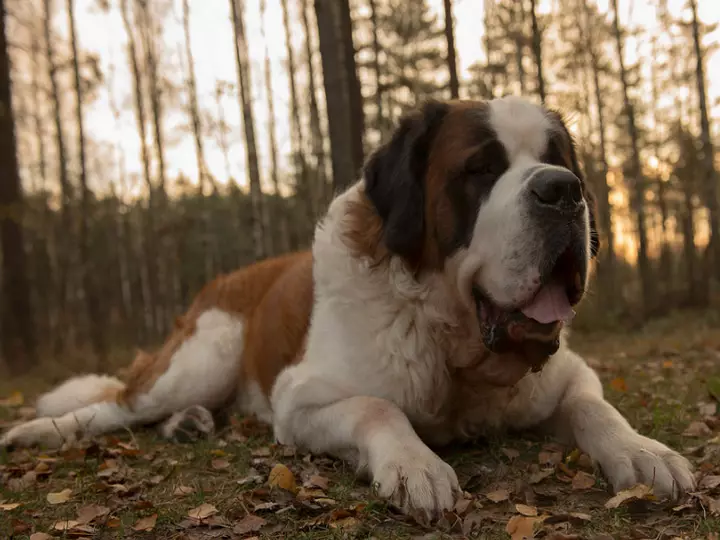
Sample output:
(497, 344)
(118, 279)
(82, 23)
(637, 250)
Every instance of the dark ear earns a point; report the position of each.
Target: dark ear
(395, 179)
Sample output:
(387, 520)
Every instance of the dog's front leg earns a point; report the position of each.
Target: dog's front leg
(625, 456)
(317, 415)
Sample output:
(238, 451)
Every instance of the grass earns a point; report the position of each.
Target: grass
(657, 376)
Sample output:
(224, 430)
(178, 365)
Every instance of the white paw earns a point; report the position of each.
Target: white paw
(41, 431)
(417, 481)
(643, 460)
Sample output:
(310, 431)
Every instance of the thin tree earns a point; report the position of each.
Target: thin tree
(18, 339)
(318, 140)
(336, 95)
(451, 60)
(87, 273)
(298, 137)
(537, 50)
(357, 114)
(710, 181)
(244, 83)
(635, 170)
(64, 249)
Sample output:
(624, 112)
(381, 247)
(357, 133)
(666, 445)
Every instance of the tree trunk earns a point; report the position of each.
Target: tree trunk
(92, 302)
(64, 249)
(450, 39)
(537, 51)
(336, 96)
(301, 169)
(637, 181)
(318, 140)
(148, 273)
(281, 217)
(18, 340)
(710, 182)
(357, 114)
(243, 73)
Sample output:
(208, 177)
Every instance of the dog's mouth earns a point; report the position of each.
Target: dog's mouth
(531, 330)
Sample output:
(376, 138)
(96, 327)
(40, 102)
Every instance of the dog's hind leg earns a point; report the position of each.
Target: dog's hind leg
(202, 370)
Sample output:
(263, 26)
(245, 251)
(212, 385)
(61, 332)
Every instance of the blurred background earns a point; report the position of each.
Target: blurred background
(153, 144)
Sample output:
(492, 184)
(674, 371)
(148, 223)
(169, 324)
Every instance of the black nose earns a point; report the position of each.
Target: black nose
(556, 187)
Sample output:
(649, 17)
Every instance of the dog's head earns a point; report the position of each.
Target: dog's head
(491, 194)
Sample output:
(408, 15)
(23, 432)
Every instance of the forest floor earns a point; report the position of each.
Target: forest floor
(240, 485)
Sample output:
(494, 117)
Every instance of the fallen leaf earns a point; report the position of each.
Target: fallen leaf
(539, 476)
(146, 524)
(220, 464)
(282, 477)
(59, 497)
(65, 525)
(155, 480)
(317, 481)
(498, 495)
(181, 491)
(583, 480)
(522, 527)
(263, 451)
(462, 506)
(710, 482)
(526, 510)
(546, 457)
(203, 511)
(619, 384)
(248, 524)
(638, 491)
(40, 536)
(218, 453)
(697, 429)
(87, 514)
(471, 522)
(713, 386)
(667, 364)
(305, 494)
(13, 400)
(9, 506)
(510, 453)
(345, 523)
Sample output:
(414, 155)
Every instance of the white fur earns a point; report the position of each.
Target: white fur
(74, 393)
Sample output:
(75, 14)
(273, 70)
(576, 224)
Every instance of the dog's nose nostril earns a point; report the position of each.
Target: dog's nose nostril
(556, 187)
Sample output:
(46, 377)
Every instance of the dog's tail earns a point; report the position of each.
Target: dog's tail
(78, 392)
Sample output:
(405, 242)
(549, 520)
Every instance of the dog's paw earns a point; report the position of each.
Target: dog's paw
(647, 461)
(418, 482)
(189, 425)
(38, 432)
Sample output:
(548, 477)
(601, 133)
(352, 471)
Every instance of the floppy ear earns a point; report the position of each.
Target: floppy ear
(395, 180)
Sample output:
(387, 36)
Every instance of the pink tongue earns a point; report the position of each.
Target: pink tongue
(550, 305)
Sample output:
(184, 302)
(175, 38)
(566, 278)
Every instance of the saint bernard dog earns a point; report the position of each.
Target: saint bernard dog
(430, 309)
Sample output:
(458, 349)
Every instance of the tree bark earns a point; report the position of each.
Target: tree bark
(243, 73)
(637, 181)
(537, 50)
(357, 114)
(92, 302)
(18, 339)
(710, 182)
(336, 96)
(451, 59)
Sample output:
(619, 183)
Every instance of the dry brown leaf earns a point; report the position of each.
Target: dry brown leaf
(583, 480)
(66, 525)
(59, 497)
(549, 457)
(181, 491)
(638, 491)
(510, 453)
(146, 524)
(619, 384)
(87, 514)
(462, 506)
(220, 464)
(710, 482)
(472, 521)
(498, 495)
(9, 506)
(305, 494)
(526, 510)
(218, 453)
(203, 511)
(345, 523)
(40, 536)
(697, 429)
(317, 481)
(282, 477)
(13, 400)
(248, 524)
(522, 527)
(263, 451)
(540, 475)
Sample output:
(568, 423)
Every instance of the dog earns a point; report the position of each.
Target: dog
(431, 308)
